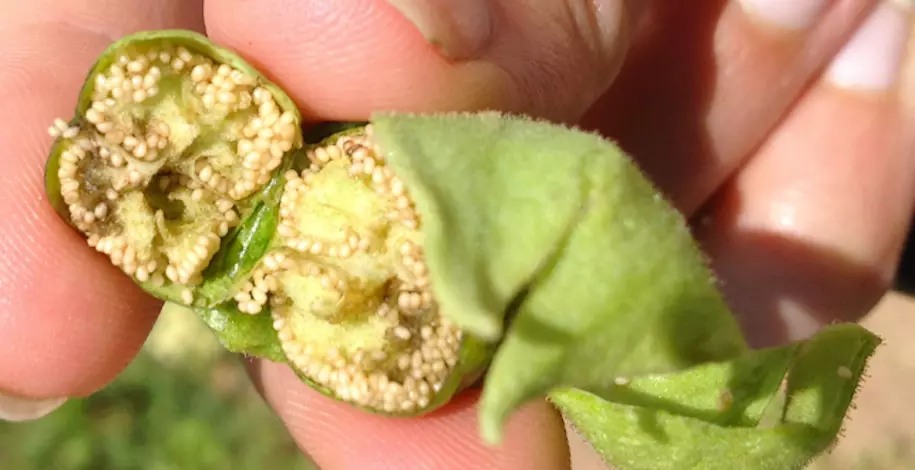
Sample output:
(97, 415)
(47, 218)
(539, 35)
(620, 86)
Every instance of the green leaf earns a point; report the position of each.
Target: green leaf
(770, 409)
(557, 231)
(243, 248)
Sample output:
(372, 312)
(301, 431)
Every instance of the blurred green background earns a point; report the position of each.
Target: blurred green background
(184, 404)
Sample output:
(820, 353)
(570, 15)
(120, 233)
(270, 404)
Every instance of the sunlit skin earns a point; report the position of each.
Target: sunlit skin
(749, 168)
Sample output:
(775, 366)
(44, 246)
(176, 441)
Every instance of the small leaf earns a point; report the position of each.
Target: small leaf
(717, 416)
(243, 248)
(558, 231)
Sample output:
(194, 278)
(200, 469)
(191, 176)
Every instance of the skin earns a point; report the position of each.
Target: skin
(771, 182)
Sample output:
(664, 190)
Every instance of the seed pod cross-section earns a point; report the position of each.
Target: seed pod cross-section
(348, 288)
(173, 163)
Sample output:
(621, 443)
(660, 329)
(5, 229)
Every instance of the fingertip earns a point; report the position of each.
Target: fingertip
(342, 60)
(811, 229)
(72, 322)
(339, 436)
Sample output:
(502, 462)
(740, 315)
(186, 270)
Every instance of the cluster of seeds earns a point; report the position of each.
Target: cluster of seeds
(366, 160)
(402, 380)
(420, 345)
(260, 142)
(254, 294)
(136, 181)
(296, 186)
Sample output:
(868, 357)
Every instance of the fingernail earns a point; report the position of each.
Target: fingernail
(15, 408)
(460, 29)
(789, 14)
(872, 58)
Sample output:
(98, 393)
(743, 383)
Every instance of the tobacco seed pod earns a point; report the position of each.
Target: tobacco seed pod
(173, 163)
(348, 289)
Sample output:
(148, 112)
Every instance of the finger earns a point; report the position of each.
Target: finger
(339, 436)
(582, 454)
(705, 82)
(811, 230)
(342, 60)
(69, 322)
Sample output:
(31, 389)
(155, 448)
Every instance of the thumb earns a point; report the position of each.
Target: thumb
(342, 60)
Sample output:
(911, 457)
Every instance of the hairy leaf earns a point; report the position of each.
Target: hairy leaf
(773, 409)
(558, 231)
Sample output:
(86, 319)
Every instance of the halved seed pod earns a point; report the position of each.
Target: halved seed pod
(173, 163)
(348, 288)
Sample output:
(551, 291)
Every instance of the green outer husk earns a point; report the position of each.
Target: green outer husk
(245, 244)
(239, 332)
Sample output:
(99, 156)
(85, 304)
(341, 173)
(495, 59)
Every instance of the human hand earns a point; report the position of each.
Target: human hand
(706, 91)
